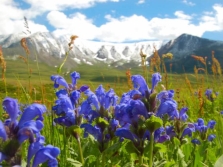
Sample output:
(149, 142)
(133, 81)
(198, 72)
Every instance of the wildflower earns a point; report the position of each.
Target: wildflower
(92, 98)
(182, 115)
(63, 105)
(114, 124)
(75, 96)
(140, 84)
(196, 141)
(211, 124)
(100, 93)
(3, 134)
(31, 112)
(211, 137)
(74, 76)
(93, 130)
(129, 112)
(47, 153)
(167, 107)
(127, 134)
(58, 80)
(170, 131)
(28, 130)
(34, 147)
(2, 157)
(156, 77)
(188, 132)
(11, 106)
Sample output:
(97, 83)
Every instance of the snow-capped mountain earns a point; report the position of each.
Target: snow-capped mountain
(46, 45)
(51, 50)
(186, 45)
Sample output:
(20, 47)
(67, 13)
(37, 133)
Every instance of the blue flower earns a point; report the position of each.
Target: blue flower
(92, 98)
(93, 130)
(75, 96)
(130, 112)
(49, 154)
(61, 92)
(140, 84)
(127, 134)
(163, 138)
(156, 77)
(58, 80)
(170, 131)
(3, 134)
(100, 93)
(2, 157)
(208, 93)
(196, 141)
(11, 106)
(188, 131)
(84, 88)
(28, 130)
(109, 99)
(221, 112)
(114, 124)
(63, 105)
(211, 137)
(165, 95)
(31, 112)
(182, 115)
(74, 76)
(34, 147)
(167, 107)
(211, 124)
(134, 94)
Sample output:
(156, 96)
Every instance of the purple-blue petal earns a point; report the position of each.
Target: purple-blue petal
(31, 112)
(3, 134)
(11, 106)
(48, 153)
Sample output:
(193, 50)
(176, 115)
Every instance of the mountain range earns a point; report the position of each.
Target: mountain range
(51, 50)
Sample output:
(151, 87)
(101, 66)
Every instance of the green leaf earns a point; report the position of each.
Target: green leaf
(159, 147)
(112, 149)
(74, 130)
(90, 159)
(219, 162)
(74, 162)
(176, 142)
(100, 122)
(153, 123)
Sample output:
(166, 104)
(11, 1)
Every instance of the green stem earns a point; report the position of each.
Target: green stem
(6, 92)
(103, 159)
(151, 149)
(140, 160)
(65, 59)
(41, 84)
(80, 150)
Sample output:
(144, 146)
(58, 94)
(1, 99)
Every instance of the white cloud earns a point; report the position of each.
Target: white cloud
(12, 21)
(76, 24)
(41, 6)
(115, 29)
(188, 3)
(181, 15)
(141, 1)
(136, 27)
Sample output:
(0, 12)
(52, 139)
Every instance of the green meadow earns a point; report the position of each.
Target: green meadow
(30, 82)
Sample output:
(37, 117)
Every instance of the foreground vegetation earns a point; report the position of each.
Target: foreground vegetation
(101, 116)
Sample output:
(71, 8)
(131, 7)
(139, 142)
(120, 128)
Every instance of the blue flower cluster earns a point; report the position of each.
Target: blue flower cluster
(128, 117)
(22, 126)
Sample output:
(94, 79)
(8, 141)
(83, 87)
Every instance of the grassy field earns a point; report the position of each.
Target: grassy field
(189, 92)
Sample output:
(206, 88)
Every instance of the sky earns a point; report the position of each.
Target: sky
(115, 20)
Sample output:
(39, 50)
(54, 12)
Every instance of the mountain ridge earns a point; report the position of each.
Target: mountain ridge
(51, 49)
